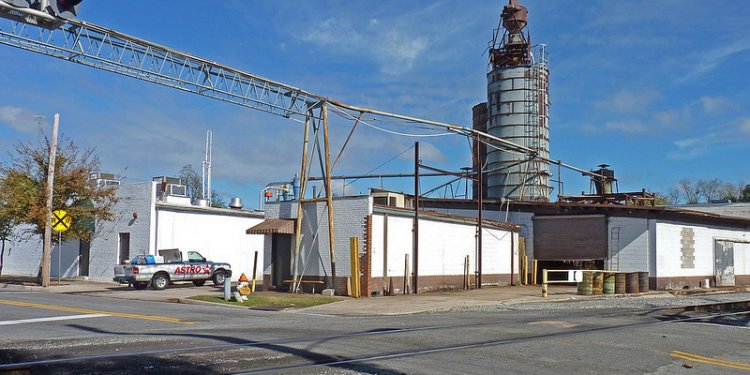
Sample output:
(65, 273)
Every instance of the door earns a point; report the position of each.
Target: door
(84, 254)
(724, 263)
(124, 244)
(281, 253)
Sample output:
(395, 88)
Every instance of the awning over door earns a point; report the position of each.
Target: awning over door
(582, 237)
(273, 226)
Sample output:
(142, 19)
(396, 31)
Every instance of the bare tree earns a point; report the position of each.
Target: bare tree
(688, 191)
(710, 190)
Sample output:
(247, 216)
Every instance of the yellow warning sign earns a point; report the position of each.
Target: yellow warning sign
(61, 221)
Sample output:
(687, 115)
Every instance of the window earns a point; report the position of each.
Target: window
(194, 256)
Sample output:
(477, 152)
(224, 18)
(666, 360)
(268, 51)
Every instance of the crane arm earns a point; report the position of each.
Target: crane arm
(102, 48)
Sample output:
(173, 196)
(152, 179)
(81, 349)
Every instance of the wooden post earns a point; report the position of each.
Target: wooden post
(255, 270)
(544, 283)
(406, 274)
(47, 246)
(415, 271)
(329, 196)
(534, 265)
(302, 187)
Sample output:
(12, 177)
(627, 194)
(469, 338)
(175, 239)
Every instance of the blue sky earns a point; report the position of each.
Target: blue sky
(657, 89)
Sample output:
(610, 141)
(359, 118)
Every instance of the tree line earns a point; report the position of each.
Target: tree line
(689, 191)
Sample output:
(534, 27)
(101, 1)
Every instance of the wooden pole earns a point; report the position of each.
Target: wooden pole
(534, 265)
(544, 283)
(329, 196)
(255, 270)
(415, 270)
(47, 246)
(406, 274)
(298, 223)
(385, 248)
(512, 259)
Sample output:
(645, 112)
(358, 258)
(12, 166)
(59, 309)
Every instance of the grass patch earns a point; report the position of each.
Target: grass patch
(277, 300)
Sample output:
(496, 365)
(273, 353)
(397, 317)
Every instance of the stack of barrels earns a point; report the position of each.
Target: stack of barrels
(595, 282)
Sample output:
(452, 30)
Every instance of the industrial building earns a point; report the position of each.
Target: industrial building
(678, 247)
(445, 257)
(147, 217)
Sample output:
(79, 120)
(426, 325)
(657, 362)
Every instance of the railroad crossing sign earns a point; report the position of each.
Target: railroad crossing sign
(61, 221)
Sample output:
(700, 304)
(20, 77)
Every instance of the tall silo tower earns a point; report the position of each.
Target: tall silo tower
(518, 110)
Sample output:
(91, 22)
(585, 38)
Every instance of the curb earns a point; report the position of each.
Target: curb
(27, 288)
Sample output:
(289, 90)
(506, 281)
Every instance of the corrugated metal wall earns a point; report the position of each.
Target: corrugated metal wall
(582, 237)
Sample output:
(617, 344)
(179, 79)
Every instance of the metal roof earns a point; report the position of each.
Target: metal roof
(273, 226)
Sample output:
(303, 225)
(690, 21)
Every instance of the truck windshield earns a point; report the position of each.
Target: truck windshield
(194, 256)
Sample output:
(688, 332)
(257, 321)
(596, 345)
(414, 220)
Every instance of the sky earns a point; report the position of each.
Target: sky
(657, 89)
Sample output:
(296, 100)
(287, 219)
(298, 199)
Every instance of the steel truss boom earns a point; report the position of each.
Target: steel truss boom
(106, 49)
(109, 50)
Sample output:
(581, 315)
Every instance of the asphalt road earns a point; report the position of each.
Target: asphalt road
(79, 334)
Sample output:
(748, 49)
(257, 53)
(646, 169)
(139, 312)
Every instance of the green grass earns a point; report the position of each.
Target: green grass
(276, 300)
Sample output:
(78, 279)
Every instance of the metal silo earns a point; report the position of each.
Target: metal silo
(518, 111)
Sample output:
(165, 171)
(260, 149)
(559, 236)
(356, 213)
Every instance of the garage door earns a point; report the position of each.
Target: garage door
(570, 237)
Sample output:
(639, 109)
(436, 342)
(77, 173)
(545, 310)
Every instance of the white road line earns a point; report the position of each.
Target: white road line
(51, 319)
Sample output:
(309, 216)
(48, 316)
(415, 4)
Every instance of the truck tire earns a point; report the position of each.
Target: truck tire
(140, 285)
(199, 282)
(219, 277)
(160, 281)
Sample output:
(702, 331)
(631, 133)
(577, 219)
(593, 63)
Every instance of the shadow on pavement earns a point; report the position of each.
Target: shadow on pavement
(176, 359)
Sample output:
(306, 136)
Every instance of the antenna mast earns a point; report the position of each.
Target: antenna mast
(206, 167)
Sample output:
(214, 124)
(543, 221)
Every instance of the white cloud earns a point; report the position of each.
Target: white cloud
(629, 101)
(744, 126)
(395, 50)
(714, 104)
(20, 119)
(626, 126)
(710, 60)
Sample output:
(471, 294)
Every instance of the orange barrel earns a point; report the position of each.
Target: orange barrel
(598, 283)
(631, 282)
(643, 281)
(620, 283)
(609, 283)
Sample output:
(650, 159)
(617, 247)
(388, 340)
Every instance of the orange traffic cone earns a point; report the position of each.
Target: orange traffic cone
(243, 278)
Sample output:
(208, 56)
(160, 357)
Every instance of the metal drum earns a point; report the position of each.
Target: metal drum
(620, 283)
(643, 281)
(609, 283)
(584, 287)
(598, 283)
(631, 282)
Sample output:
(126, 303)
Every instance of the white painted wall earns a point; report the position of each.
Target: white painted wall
(218, 237)
(443, 247)
(628, 243)
(348, 221)
(132, 198)
(523, 219)
(668, 242)
(23, 253)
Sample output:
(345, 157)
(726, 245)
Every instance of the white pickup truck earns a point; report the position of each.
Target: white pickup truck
(171, 265)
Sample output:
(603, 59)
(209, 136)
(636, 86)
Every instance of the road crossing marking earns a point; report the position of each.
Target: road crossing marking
(87, 311)
(51, 319)
(710, 361)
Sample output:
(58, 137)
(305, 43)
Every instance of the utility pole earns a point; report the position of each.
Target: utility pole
(47, 250)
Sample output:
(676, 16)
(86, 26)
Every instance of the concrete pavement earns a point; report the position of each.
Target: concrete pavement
(391, 305)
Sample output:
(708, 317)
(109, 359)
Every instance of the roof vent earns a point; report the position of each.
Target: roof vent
(235, 203)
